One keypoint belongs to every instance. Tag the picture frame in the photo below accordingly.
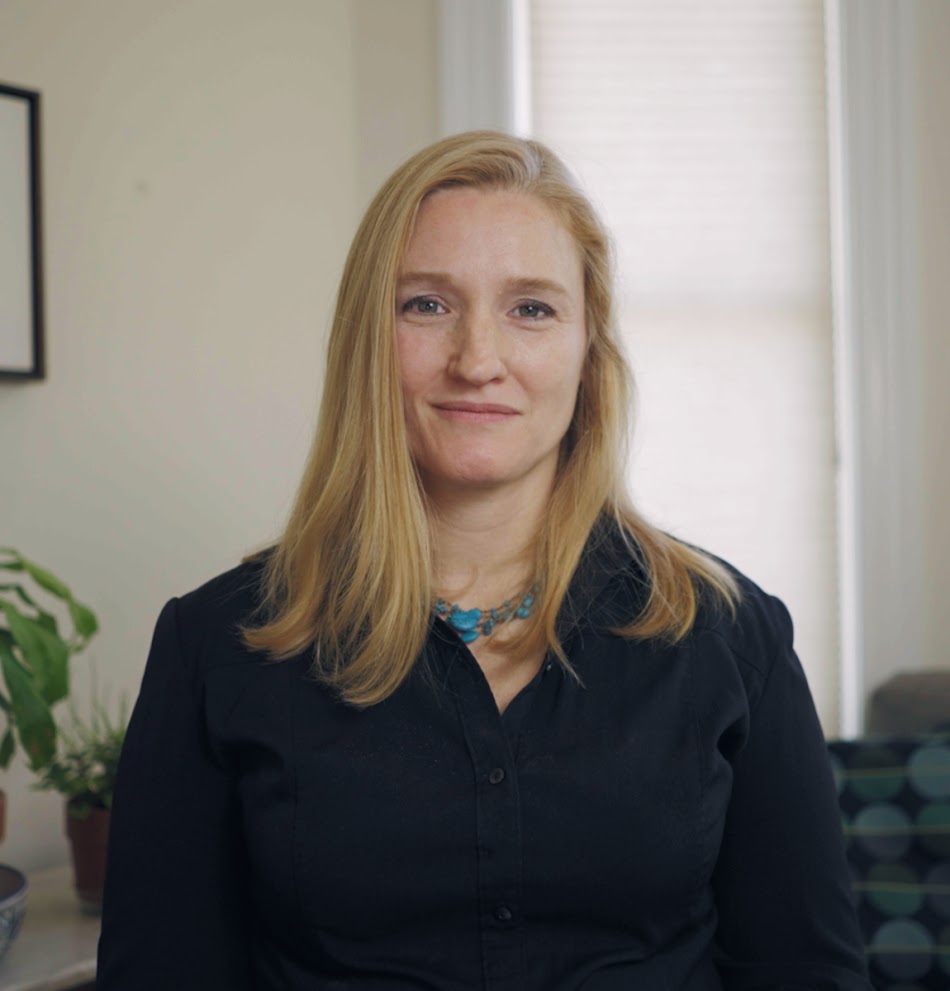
(21, 269)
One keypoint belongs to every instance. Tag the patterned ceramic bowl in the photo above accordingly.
(13, 890)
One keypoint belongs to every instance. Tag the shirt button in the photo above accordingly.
(497, 776)
(503, 913)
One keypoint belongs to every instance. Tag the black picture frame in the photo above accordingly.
(21, 256)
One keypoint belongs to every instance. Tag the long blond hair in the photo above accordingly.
(350, 577)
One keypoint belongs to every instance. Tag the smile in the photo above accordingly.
(475, 412)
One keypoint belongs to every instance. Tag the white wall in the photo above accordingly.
(205, 163)
(396, 69)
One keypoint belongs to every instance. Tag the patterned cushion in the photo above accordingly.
(895, 804)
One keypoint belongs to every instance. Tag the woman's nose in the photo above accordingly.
(479, 354)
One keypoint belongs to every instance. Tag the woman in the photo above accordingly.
(346, 771)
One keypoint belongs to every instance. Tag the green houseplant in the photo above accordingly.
(83, 771)
(84, 768)
(35, 650)
(34, 654)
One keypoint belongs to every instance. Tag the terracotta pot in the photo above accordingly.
(89, 838)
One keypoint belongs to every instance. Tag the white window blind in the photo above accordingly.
(700, 130)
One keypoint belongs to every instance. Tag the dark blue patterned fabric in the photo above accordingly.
(895, 803)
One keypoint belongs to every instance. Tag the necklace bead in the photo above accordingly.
(470, 624)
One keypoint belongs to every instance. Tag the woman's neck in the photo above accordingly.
(483, 546)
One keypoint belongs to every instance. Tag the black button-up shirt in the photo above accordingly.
(668, 822)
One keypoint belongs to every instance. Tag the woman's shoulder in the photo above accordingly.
(753, 623)
(210, 618)
(754, 626)
(753, 639)
(238, 587)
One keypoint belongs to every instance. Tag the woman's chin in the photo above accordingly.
(474, 481)
(483, 477)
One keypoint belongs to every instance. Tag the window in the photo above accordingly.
(700, 131)
(491, 58)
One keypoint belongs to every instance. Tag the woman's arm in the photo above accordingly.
(781, 882)
(176, 913)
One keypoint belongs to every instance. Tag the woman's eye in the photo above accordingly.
(533, 310)
(424, 305)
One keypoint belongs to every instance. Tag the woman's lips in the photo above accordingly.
(475, 412)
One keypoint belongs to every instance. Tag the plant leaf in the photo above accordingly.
(47, 580)
(7, 748)
(20, 591)
(84, 619)
(34, 721)
(46, 618)
(45, 654)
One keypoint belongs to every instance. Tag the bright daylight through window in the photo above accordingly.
(700, 129)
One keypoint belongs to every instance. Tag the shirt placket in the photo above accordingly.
(498, 827)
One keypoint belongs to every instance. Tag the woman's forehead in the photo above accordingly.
(472, 226)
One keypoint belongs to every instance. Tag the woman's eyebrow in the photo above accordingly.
(536, 285)
(519, 284)
(429, 278)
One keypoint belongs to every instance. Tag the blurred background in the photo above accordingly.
(774, 172)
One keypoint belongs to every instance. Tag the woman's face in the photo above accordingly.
(491, 340)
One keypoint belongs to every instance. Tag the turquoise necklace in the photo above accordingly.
(470, 624)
